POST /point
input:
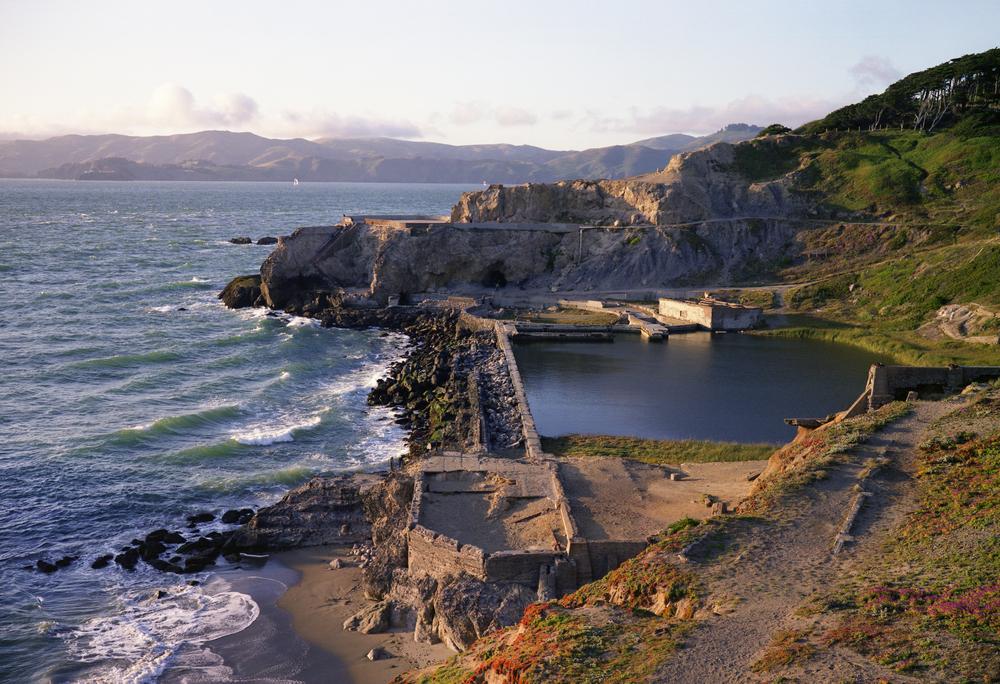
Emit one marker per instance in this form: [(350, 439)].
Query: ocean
[(131, 398)]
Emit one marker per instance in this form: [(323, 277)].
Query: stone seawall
[(532, 443)]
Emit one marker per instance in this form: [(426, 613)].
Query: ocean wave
[(126, 360), (263, 436), (175, 424), (281, 478), (204, 452), (151, 634)]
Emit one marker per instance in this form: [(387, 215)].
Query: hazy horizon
[(558, 75)]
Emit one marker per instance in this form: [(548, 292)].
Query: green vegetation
[(759, 297), (561, 316), (805, 460), (925, 100), (773, 129), (655, 451), (929, 601)]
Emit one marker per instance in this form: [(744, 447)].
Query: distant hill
[(224, 155)]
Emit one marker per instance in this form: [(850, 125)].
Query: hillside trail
[(771, 568)]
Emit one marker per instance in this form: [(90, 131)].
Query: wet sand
[(299, 637), (320, 602)]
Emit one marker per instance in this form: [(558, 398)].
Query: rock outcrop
[(700, 220), (322, 511)]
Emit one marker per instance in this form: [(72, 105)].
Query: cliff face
[(733, 229), (454, 258), (700, 185)]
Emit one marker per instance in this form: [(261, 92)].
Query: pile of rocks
[(499, 405)]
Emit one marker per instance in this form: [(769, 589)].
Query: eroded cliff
[(699, 221)]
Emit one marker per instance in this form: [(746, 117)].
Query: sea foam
[(262, 436), (151, 634)]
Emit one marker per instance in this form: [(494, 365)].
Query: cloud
[(467, 113), (514, 116), (475, 111), (752, 109), (333, 125), (173, 106), (874, 71)]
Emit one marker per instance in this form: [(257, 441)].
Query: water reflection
[(698, 386)]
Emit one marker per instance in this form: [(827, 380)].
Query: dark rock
[(128, 559), (241, 241), (164, 566), (230, 517), (151, 550), (241, 292), (268, 240), (102, 561), (45, 566), (65, 561), (199, 518), (233, 557), (309, 515), (200, 545), (173, 538), (156, 535)]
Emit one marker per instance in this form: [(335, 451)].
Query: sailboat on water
[(295, 181)]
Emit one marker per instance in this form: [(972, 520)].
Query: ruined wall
[(532, 443), (437, 555), (687, 311), (891, 383)]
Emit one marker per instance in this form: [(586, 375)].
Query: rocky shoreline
[(451, 391)]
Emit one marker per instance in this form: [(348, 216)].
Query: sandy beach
[(323, 598)]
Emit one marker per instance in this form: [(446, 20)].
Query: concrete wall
[(687, 311), (532, 443), (891, 383), (518, 566), (437, 555), (712, 316)]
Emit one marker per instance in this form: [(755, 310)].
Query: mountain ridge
[(227, 155)]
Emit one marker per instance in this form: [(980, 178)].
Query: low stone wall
[(520, 566), (891, 383), (606, 555), (532, 443), (430, 553)]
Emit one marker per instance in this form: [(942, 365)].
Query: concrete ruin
[(894, 383), (550, 525), (712, 314)]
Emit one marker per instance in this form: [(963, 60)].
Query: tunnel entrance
[(495, 277)]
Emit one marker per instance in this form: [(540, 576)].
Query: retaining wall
[(437, 555), (532, 443), (891, 383)]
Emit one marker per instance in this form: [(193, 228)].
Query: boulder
[(309, 515), (377, 653), (45, 566), (102, 561), (241, 292), (267, 240), (245, 240), (467, 608), (199, 518), (372, 619)]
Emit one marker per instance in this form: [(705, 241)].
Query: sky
[(562, 75)]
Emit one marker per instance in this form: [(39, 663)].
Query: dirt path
[(771, 567)]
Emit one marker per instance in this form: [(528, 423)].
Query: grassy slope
[(622, 627), (655, 451), (927, 603), (940, 192)]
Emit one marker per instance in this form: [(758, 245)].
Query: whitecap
[(167, 308), (263, 436), (151, 634)]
